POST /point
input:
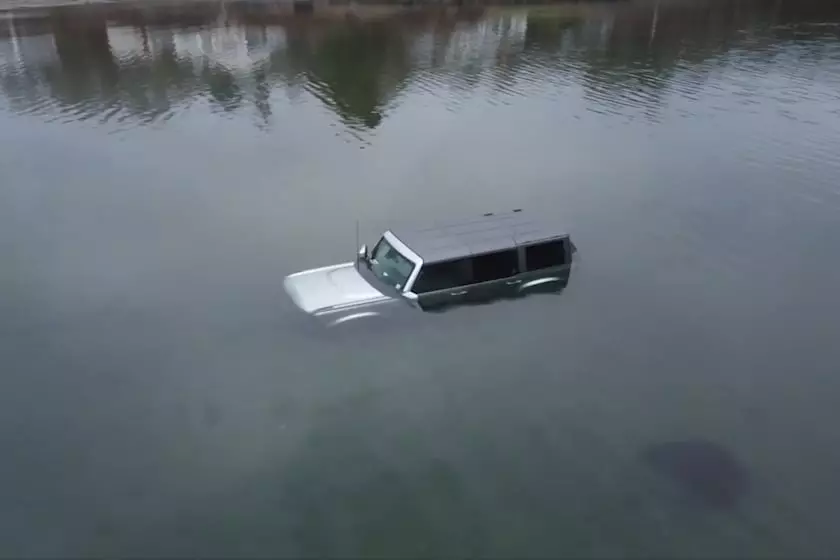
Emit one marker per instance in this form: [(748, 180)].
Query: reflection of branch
[(222, 18), (13, 35), (653, 23)]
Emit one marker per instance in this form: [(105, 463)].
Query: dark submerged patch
[(707, 471)]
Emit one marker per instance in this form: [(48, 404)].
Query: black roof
[(483, 234)]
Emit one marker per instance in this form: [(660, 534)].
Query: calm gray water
[(162, 169)]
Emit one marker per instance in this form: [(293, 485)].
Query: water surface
[(162, 169)]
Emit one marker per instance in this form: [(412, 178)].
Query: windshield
[(389, 265)]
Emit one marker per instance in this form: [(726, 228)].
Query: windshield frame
[(405, 253)]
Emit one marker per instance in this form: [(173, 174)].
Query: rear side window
[(495, 266), (442, 276), (545, 255)]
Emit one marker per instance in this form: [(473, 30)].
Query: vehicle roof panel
[(483, 234)]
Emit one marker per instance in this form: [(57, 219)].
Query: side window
[(545, 255), (495, 266), (442, 276)]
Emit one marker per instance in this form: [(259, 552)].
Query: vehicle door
[(442, 284), (547, 266), (495, 276)]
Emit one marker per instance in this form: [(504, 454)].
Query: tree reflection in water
[(119, 61)]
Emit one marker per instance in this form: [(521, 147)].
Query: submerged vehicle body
[(480, 260)]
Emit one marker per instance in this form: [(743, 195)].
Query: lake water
[(163, 168)]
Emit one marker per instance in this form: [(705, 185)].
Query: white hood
[(321, 288)]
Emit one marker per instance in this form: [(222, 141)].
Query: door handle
[(513, 282), (460, 293)]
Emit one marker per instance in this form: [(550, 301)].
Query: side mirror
[(363, 253), (410, 296)]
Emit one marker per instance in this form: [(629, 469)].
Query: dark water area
[(705, 472), (162, 168)]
